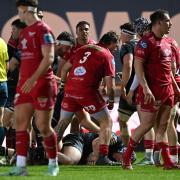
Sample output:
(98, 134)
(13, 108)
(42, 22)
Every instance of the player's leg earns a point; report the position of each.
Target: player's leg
(172, 136)
(149, 138)
(147, 121)
(105, 122)
(125, 134)
(3, 99)
(161, 136)
(23, 114)
(72, 149)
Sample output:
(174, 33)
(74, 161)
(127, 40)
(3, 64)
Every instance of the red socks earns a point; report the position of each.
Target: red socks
(22, 143)
(173, 150)
(127, 156)
(103, 149)
(165, 153)
(51, 146)
(148, 144)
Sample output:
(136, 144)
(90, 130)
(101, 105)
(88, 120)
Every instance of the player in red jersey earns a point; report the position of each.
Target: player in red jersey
(36, 89)
(172, 132)
(154, 54)
(87, 67)
(82, 33)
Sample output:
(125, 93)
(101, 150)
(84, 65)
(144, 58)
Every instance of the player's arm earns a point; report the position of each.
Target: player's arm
(133, 87)
(139, 69)
(173, 67)
(126, 73)
(13, 64)
(60, 66)
(92, 158)
(176, 88)
(110, 84)
(64, 71)
(48, 58)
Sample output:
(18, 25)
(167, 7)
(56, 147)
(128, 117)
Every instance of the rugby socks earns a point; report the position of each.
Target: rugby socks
(14, 138)
(22, 144)
(149, 148)
(51, 148)
(103, 149)
(174, 153)
(156, 154)
(128, 153)
(2, 135)
(165, 154)
(11, 138)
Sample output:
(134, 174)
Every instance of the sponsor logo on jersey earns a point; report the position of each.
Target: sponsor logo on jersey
(140, 52)
(48, 38)
(79, 71)
(24, 43)
(166, 53)
(143, 44)
(90, 108)
(32, 34)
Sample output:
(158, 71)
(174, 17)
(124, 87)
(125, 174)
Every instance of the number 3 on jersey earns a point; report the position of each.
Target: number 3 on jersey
(85, 57)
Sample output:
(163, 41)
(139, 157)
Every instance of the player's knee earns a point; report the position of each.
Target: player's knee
(123, 124)
(125, 132)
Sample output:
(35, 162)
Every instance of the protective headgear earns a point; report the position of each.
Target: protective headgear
(141, 25)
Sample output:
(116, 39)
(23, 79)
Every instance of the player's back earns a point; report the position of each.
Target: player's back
(90, 64)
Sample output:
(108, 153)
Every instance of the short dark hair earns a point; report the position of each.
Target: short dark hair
(40, 13)
(65, 36)
(128, 26)
(109, 37)
(17, 23)
(80, 23)
(158, 15)
(33, 3)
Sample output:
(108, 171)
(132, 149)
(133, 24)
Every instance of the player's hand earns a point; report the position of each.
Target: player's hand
(123, 92)
(58, 79)
(110, 105)
(28, 85)
(177, 95)
(113, 139)
(148, 96)
(129, 97)
(61, 86)
(92, 158)
(103, 91)
(119, 75)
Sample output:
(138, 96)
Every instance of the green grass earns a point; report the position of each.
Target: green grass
(98, 173)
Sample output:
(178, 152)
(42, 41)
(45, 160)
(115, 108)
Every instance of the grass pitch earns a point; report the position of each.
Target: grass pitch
(98, 173)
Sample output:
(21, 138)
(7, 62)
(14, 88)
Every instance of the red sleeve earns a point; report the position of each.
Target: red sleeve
(13, 43)
(109, 65)
(175, 53)
(141, 50)
(46, 36)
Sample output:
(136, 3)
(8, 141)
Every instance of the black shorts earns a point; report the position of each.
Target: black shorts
(74, 140)
(57, 109)
(10, 99)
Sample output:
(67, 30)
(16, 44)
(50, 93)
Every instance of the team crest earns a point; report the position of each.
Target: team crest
(24, 43)
(143, 44)
(42, 101)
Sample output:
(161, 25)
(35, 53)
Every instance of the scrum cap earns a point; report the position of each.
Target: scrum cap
(140, 25)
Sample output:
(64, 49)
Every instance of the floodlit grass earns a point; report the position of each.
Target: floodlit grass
(98, 173)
